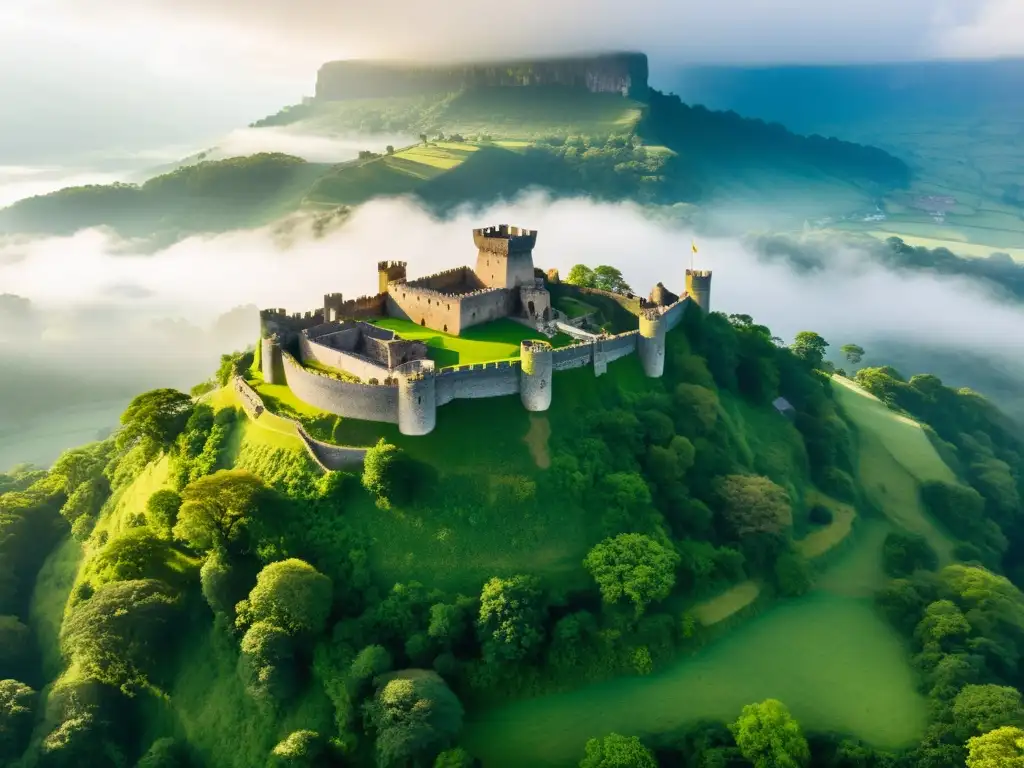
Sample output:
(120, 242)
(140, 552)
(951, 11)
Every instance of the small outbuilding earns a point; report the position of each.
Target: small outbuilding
(783, 406)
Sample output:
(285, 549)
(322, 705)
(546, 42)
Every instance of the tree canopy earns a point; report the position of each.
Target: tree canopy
(769, 737)
(1001, 748)
(293, 595)
(158, 415)
(615, 751)
(634, 567)
(511, 618)
(416, 716)
(217, 510)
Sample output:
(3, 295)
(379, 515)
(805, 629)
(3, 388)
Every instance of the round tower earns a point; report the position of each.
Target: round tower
(651, 344)
(271, 361)
(417, 403)
(535, 375)
(698, 287)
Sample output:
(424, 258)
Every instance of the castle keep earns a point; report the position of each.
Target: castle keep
(337, 360)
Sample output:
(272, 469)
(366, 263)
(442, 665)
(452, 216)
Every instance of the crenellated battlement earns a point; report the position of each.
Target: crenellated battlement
(504, 240)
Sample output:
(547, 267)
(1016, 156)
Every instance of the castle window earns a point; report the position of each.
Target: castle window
(419, 400)
(423, 321)
(446, 328)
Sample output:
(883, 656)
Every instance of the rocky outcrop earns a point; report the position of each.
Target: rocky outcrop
(624, 73)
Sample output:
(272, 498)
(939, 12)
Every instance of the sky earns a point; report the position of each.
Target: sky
(122, 76)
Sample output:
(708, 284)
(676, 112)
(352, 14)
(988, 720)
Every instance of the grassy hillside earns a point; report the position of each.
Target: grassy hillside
(535, 575)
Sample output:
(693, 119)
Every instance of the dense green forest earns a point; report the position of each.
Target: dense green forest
(185, 594)
(490, 143)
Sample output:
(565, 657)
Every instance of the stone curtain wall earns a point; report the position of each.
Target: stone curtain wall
(355, 401)
(485, 306)
(325, 455)
(450, 281)
(575, 356)
(349, 362)
(481, 380)
(674, 314)
(345, 338)
(425, 308)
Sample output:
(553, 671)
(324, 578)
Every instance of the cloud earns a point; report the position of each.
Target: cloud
(851, 299)
(996, 30)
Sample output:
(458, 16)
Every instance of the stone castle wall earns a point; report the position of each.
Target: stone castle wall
(356, 401)
(349, 362)
(482, 380)
(325, 455)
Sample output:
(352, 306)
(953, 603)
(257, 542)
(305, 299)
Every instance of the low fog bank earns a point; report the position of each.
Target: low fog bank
(90, 308)
(20, 181)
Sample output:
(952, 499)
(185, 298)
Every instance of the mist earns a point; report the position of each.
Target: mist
(90, 291)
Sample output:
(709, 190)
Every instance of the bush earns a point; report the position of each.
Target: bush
(17, 712)
(388, 473)
(15, 647)
(904, 553)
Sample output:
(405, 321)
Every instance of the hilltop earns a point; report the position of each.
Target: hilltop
(587, 126)
(531, 579)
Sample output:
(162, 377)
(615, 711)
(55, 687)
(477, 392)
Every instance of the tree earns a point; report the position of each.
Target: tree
(454, 758)
(610, 279)
(136, 554)
(220, 584)
(15, 646)
(116, 634)
(423, 138)
(792, 574)
(632, 566)
(17, 713)
(615, 751)
(388, 472)
(852, 352)
(904, 553)
(1001, 748)
(754, 505)
(300, 749)
(511, 618)
(390, 149)
(416, 716)
(810, 348)
(582, 276)
(162, 511)
(158, 415)
(769, 737)
(266, 662)
(217, 509)
(291, 594)
(978, 709)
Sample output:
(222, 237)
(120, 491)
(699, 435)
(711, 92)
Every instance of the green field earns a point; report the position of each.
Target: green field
(830, 658)
(497, 340)
(574, 307)
(895, 456)
(977, 161)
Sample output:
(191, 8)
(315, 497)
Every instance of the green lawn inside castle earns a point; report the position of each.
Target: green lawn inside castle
(481, 332)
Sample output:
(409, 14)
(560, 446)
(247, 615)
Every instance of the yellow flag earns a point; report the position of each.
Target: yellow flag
(693, 245)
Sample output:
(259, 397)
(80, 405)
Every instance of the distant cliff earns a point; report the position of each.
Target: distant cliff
(624, 73)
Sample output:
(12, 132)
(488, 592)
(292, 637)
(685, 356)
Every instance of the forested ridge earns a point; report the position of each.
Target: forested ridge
(203, 572)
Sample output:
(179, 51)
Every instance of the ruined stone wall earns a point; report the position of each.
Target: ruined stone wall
(364, 307)
(631, 303)
(343, 336)
(618, 346)
(476, 381)
(355, 401)
(349, 362)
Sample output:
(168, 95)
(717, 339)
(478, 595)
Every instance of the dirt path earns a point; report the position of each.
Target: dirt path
(537, 439)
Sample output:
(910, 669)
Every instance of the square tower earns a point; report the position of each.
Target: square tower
(505, 256)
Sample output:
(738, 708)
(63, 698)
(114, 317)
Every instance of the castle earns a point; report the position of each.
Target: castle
(336, 359)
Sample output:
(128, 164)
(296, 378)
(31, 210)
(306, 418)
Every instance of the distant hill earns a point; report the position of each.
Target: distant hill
(562, 125)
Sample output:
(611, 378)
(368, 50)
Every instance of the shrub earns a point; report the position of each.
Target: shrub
(293, 595)
(820, 515)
